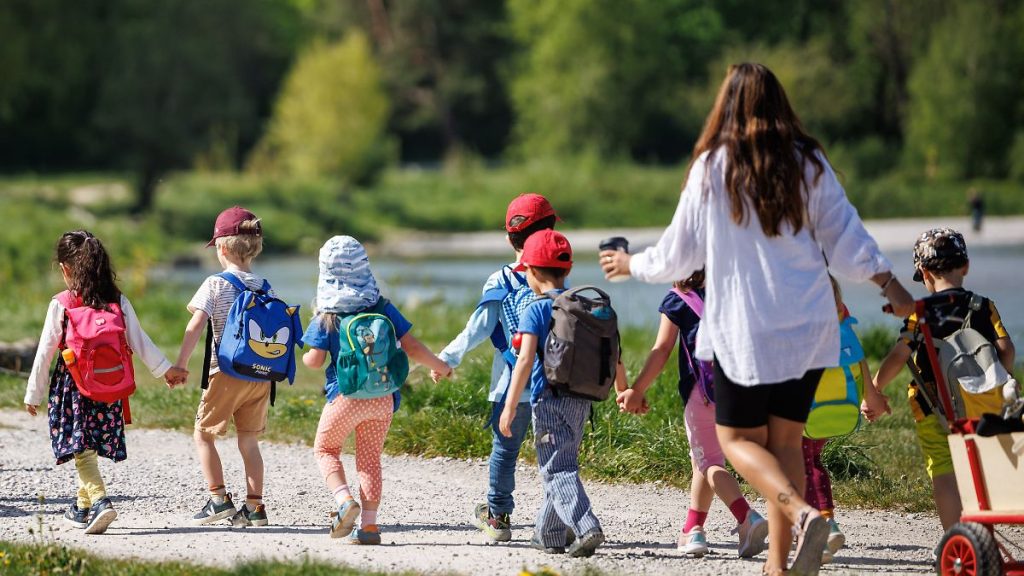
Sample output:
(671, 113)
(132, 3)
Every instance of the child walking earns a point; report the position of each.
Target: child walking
(565, 522)
(681, 311)
(818, 492)
(350, 307)
(941, 263)
(505, 296)
(82, 429)
(238, 239)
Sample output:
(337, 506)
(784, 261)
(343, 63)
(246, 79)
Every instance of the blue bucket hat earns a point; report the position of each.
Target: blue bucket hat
(345, 284)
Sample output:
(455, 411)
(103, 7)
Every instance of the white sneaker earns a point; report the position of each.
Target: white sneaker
(693, 543)
(753, 533)
(836, 538)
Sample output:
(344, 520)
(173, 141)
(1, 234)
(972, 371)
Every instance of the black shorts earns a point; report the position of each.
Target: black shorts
(750, 406)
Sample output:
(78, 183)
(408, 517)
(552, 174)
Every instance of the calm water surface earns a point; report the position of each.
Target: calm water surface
(996, 272)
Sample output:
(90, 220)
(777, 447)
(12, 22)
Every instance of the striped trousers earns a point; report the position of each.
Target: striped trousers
(558, 426)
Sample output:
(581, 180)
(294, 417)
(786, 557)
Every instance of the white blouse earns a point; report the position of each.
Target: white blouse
(142, 346)
(769, 315)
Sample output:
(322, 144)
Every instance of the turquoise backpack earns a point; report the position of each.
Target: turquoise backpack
(370, 363)
(836, 407)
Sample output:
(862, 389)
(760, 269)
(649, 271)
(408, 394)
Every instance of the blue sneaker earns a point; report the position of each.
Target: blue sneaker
(344, 519)
(103, 514)
(77, 517)
(693, 543)
(367, 535)
(753, 533)
(212, 512)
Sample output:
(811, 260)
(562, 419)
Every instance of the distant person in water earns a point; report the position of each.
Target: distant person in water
(977, 203)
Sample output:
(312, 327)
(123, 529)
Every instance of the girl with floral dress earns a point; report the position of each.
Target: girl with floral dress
(82, 429)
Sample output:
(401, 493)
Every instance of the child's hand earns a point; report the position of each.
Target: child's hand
(438, 376)
(507, 416)
(175, 376)
(875, 404)
(631, 401)
(901, 303)
(31, 409)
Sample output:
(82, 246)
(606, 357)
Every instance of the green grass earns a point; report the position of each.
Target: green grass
(45, 557)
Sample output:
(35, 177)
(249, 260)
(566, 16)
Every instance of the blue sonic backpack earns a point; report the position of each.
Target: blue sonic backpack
(836, 407)
(370, 363)
(259, 338)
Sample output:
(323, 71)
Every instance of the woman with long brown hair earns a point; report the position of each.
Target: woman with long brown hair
(763, 212)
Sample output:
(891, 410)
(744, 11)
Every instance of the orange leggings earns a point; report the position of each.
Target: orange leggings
(370, 419)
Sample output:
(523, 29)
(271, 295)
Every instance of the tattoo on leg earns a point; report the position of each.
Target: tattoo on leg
(785, 497)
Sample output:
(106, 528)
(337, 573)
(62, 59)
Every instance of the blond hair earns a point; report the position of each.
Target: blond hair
(244, 246)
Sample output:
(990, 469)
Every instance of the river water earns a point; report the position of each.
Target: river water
(996, 272)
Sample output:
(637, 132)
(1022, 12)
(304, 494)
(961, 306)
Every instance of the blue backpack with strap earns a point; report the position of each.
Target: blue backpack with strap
(259, 338)
(515, 296)
(370, 362)
(836, 407)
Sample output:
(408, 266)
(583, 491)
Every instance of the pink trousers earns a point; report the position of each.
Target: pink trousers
(370, 420)
(699, 419)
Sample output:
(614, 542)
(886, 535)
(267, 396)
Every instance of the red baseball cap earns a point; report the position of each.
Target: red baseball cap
(229, 222)
(547, 248)
(530, 207)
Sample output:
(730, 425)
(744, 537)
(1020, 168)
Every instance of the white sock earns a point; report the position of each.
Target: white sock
(341, 494)
(367, 518)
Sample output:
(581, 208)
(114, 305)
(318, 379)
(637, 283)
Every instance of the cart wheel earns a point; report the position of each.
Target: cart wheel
(969, 549)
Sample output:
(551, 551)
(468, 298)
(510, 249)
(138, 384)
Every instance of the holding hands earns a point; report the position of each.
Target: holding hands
(175, 376)
(632, 401)
(875, 404)
(436, 376)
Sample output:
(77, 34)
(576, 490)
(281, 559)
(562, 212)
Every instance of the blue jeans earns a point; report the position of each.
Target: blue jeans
(558, 426)
(504, 453)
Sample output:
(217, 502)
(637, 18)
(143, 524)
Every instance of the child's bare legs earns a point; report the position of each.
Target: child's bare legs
(701, 492)
(252, 459)
(947, 499)
(209, 459)
(723, 484)
(770, 458)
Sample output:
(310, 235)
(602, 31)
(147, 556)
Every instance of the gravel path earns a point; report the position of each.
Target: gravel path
(423, 517)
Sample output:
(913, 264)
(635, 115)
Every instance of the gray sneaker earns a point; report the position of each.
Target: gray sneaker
(212, 512)
(244, 518)
(498, 528)
(77, 517)
(102, 514)
(585, 546)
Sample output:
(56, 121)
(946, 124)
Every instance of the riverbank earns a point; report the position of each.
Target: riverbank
(891, 235)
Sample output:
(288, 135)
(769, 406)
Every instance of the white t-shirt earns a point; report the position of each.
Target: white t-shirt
(215, 297)
(769, 313)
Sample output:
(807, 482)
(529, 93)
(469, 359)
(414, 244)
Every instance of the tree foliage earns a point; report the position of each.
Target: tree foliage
(331, 116)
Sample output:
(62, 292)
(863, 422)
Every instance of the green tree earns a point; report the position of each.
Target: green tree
(964, 93)
(177, 75)
(331, 116)
(594, 73)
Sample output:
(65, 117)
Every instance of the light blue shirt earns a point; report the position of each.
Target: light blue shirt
(479, 327)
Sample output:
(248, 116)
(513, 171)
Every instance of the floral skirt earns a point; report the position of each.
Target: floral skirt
(78, 424)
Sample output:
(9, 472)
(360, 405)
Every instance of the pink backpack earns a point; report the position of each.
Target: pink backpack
(96, 351)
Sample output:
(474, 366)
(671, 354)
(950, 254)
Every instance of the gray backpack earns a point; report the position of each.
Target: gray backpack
(971, 367)
(582, 347)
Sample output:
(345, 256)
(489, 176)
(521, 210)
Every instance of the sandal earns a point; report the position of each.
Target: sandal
(812, 534)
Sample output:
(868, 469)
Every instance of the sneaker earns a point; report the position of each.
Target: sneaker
(537, 544)
(367, 535)
(103, 514)
(753, 534)
(827, 556)
(497, 528)
(344, 519)
(244, 518)
(75, 516)
(812, 536)
(213, 512)
(836, 538)
(585, 546)
(693, 543)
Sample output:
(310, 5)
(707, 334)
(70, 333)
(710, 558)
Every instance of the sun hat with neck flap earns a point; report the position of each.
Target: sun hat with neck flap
(345, 284)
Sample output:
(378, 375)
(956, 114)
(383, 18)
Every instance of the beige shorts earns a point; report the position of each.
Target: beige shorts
(229, 398)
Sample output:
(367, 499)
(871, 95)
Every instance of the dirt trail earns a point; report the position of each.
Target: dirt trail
(423, 517)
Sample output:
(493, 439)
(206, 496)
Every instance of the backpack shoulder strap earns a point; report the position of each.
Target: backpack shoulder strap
(693, 300)
(237, 282)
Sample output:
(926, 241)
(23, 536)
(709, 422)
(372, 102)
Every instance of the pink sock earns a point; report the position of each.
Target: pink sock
(367, 518)
(341, 494)
(739, 509)
(694, 518)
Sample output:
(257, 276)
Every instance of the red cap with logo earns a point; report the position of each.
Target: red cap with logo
(527, 209)
(230, 221)
(547, 249)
